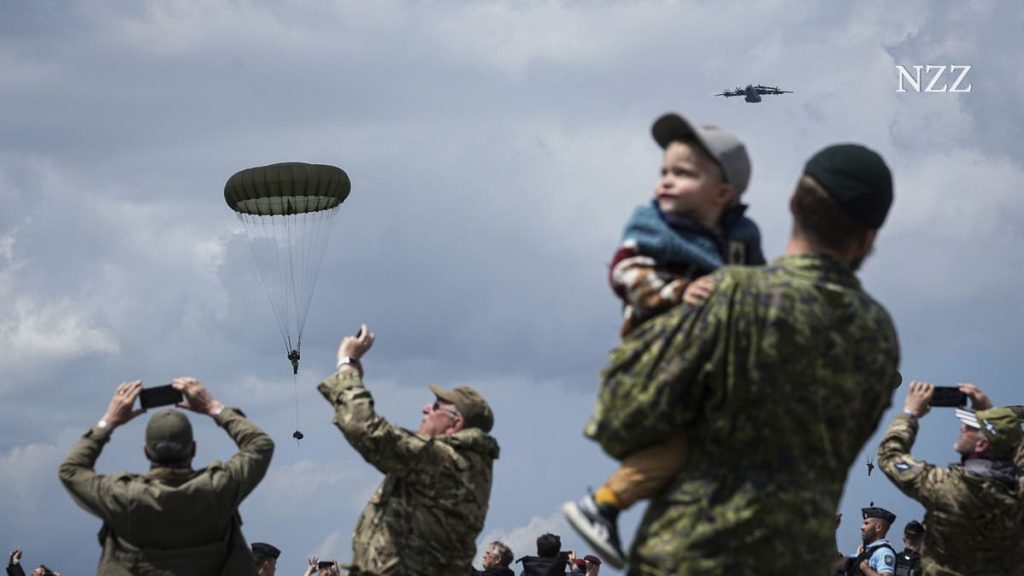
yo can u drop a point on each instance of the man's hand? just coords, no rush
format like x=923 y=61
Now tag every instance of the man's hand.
x=356 y=346
x=15 y=557
x=979 y=401
x=197 y=398
x=698 y=291
x=919 y=398
x=120 y=409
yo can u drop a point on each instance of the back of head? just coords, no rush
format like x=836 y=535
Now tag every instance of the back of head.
x=846 y=190
x=913 y=532
x=548 y=545
x=169 y=438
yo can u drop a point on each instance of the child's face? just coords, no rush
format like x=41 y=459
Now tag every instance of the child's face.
x=691 y=184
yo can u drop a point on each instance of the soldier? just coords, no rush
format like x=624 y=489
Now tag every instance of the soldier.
x=973 y=510
x=778 y=379
x=174 y=519
x=266 y=556
x=909 y=560
x=426 y=515
x=875 y=555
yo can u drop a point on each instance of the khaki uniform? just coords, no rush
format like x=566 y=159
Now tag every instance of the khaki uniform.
x=777 y=381
x=973 y=512
x=179 y=522
x=424 y=518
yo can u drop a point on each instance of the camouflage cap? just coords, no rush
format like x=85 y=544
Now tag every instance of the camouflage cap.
x=857 y=178
x=878 y=512
x=476 y=413
x=169 y=436
x=1001 y=426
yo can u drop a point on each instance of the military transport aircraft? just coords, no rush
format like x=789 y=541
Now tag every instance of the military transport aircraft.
x=753 y=93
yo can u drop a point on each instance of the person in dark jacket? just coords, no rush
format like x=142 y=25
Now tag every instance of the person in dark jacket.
x=496 y=561
x=549 y=561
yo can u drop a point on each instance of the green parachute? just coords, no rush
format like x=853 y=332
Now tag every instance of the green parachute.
x=288 y=210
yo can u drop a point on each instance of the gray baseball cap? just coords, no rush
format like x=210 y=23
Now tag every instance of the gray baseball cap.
x=724 y=148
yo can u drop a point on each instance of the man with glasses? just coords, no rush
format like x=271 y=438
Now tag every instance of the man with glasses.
x=425 y=516
x=973 y=510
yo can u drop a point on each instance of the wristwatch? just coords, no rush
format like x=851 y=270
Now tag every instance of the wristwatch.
x=354 y=362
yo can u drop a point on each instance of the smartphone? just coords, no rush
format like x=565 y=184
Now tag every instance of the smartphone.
x=324 y=564
x=159 y=396
x=948 y=397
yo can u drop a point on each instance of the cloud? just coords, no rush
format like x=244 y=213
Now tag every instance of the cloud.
x=523 y=539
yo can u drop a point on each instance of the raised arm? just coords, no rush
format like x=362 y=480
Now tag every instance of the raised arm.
x=77 y=472
x=389 y=448
x=255 y=447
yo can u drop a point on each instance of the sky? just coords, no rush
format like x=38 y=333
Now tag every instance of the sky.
x=495 y=148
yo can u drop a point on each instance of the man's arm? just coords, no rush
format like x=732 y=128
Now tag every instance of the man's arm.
x=77 y=472
x=656 y=378
x=919 y=480
x=389 y=448
x=255 y=447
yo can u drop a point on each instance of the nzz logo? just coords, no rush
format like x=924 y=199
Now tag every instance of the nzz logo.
x=914 y=80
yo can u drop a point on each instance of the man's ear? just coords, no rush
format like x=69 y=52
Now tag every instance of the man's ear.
x=456 y=426
x=982 y=445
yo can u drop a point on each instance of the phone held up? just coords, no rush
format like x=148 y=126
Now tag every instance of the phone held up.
x=948 y=397
x=159 y=396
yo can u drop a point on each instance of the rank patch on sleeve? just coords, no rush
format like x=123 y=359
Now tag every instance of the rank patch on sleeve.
x=888 y=560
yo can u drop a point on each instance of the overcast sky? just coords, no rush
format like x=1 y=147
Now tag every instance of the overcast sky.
x=495 y=148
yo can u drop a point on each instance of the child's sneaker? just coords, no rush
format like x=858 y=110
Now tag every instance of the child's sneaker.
x=598 y=524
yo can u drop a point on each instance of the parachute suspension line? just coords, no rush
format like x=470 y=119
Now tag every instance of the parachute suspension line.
x=264 y=250
x=298 y=435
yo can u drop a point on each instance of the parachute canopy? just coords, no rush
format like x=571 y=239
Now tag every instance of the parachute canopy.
x=288 y=210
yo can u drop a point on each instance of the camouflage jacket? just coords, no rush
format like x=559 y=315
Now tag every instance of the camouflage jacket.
x=778 y=379
x=171 y=522
x=974 y=512
x=425 y=517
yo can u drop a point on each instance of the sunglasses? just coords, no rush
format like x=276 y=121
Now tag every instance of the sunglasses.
x=449 y=408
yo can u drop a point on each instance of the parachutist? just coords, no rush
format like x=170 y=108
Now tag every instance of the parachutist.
x=294 y=357
x=298 y=435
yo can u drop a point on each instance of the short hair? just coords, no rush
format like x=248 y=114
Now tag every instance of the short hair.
x=548 y=545
x=820 y=219
x=504 y=553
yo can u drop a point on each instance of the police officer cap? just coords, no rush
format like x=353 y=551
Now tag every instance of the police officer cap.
x=476 y=413
x=857 y=178
x=169 y=436
x=263 y=551
x=880 y=513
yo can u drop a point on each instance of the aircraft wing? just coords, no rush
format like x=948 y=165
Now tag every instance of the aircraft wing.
x=729 y=93
x=771 y=90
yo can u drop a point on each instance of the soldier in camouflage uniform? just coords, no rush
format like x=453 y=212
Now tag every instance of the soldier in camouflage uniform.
x=424 y=518
x=973 y=511
x=778 y=379
x=173 y=520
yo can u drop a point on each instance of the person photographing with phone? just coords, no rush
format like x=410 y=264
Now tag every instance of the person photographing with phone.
x=173 y=519
x=974 y=511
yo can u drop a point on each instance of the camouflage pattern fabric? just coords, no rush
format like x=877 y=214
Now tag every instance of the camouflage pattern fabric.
x=973 y=512
x=425 y=517
x=778 y=379
x=179 y=522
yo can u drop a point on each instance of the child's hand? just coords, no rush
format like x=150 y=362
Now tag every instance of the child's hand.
x=698 y=291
